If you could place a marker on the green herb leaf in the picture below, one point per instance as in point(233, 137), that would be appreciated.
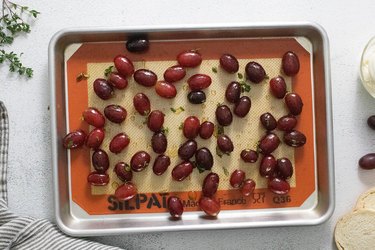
point(219, 152)
point(108, 70)
point(181, 126)
point(240, 76)
point(214, 69)
point(178, 110)
point(245, 87)
point(165, 130)
point(199, 167)
point(226, 172)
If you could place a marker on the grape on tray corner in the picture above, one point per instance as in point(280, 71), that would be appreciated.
point(278, 186)
point(74, 139)
point(290, 63)
point(294, 103)
point(294, 138)
point(248, 187)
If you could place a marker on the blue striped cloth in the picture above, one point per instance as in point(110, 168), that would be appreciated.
point(26, 232)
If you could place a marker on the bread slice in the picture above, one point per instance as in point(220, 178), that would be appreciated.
point(366, 200)
point(356, 230)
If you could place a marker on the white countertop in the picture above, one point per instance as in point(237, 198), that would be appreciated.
point(349, 25)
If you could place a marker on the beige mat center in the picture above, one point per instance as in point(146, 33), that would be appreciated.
point(244, 132)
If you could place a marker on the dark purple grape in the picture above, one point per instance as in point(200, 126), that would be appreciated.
point(255, 72)
point(284, 168)
point(155, 120)
point(268, 121)
point(367, 161)
point(197, 97)
point(248, 155)
point(229, 63)
point(174, 74)
point(287, 123)
point(248, 187)
point(242, 107)
point(175, 206)
point(182, 170)
point(225, 144)
point(223, 115)
point(206, 130)
point(123, 171)
point(278, 186)
point(237, 178)
point(187, 150)
point(278, 87)
point(189, 59)
point(140, 161)
point(115, 113)
point(371, 122)
point(74, 139)
point(142, 104)
point(204, 159)
point(161, 164)
point(294, 138)
point(267, 166)
point(159, 142)
point(290, 63)
point(269, 143)
point(210, 184)
point(294, 103)
point(233, 92)
point(137, 45)
point(145, 77)
point(103, 89)
point(100, 160)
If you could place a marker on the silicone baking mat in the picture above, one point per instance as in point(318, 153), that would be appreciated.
point(94, 58)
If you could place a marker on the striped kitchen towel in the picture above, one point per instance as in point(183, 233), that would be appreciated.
point(26, 232)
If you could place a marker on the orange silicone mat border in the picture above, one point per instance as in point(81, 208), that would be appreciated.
point(210, 49)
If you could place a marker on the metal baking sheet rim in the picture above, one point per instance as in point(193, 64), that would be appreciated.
point(314, 216)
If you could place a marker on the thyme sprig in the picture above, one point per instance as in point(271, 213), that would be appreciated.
point(13, 22)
